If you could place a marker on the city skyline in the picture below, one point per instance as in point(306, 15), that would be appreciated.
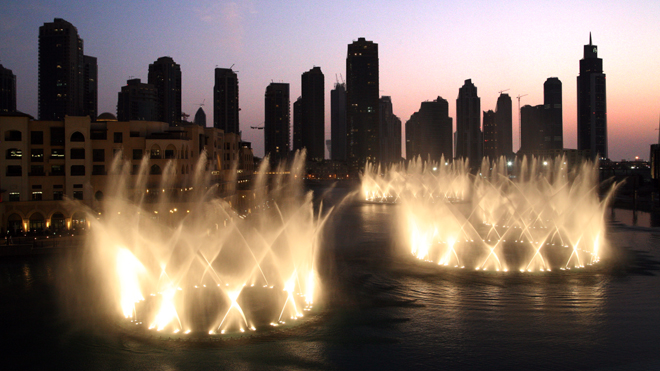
point(423, 54)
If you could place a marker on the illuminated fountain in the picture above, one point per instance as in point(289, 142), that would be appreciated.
point(195, 265)
point(539, 217)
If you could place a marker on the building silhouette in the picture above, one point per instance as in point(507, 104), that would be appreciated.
point(165, 76)
point(491, 140)
point(552, 105)
point(468, 137)
point(362, 102)
point(137, 101)
point(390, 133)
point(532, 129)
point(297, 125)
point(504, 125)
point(429, 131)
point(277, 124)
point(200, 117)
point(7, 90)
point(592, 104)
point(67, 79)
point(338, 126)
point(225, 101)
point(90, 87)
point(313, 113)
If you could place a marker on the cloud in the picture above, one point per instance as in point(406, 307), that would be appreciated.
point(228, 19)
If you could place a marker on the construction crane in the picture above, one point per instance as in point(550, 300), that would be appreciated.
point(258, 127)
point(502, 91)
point(520, 120)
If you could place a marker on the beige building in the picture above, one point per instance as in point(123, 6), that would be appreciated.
point(47, 162)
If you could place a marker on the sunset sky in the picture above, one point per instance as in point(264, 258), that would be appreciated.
point(426, 49)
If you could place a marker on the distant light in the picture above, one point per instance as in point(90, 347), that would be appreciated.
point(545, 163)
point(510, 163)
point(435, 168)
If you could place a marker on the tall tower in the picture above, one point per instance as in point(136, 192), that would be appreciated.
point(591, 103)
point(200, 117)
point(225, 100)
point(504, 125)
point(428, 132)
point(7, 90)
point(468, 137)
point(90, 87)
point(338, 131)
point(60, 71)
point(362, 102)
point(390, 132)
point(297, 125)
point(313, 113)
point(165, 75)
point(553, 113)
point(491, 137)
point(277, 123)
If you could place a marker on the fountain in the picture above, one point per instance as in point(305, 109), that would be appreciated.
point(181, 260)
point(531, 215)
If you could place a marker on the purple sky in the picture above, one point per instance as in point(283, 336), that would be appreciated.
point(426, 49)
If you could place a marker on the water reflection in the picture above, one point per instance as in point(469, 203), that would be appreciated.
point(636, 218)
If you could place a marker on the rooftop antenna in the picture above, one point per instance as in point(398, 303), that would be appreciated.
point(520, 121)
point(232, 65)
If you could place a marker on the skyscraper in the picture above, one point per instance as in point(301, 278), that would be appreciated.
point(390, 132)
point(297, 125)
point(165, 75)
point(429, 131)
point(532, 129)
point(362, 101)
point(504, 125)
point(591, 103)
point(313, 113)
point(62, 67)
point(468, 136)
point(225, 100)
point(277, 124)
point(7, 90)
point(137, 101)
point(338, 132)
point(552, 107)
point(491, 140)
point(200, 117)
point(90, 87)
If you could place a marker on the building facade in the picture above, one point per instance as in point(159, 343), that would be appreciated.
point(468, 137)
point(47, 162)
point(390, 133)
point(504, 125)
point(362, 103)
point(338, 126)
point(277, 123)
point(225, 101)
point(298, 125)
point(491, 137)
point(165, 76)
point(90, 87)
point(592, 103)
point(313, 113)
point(532, 129)
point(7, 90)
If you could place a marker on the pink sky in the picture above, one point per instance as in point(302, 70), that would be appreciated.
point(427, 49)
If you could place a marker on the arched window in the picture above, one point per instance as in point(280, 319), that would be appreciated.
point(14, 224)
point(155, 170)
point(170, 152)
point(155, 152)
point(13, 136)
point(14, 154)
point(37, 222)
point(57, 222)
point(77, 137)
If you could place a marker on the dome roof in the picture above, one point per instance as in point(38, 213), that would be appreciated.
point(106, 116)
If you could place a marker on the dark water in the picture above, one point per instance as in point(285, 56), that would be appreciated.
point(382, 311)
point(635, 218)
